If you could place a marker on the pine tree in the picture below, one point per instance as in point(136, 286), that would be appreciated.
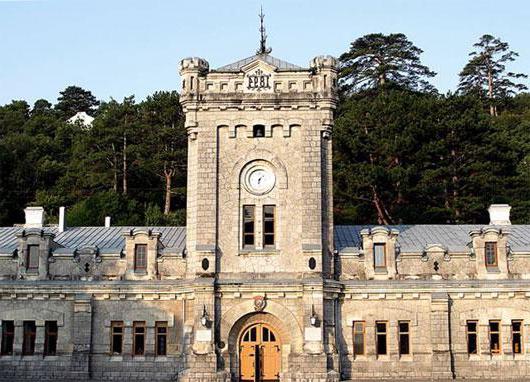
point(74, 99)
point(485, 74)
point(378, 60)
point(166, 141)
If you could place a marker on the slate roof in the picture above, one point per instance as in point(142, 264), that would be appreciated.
point(414, 238)
point(280, 64)
point(411, 238)
point(109, 239)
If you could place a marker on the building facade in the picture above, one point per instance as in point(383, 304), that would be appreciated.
point(261, 285)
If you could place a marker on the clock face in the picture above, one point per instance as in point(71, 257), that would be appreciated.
point(260, 180)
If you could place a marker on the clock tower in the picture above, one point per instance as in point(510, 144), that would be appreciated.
point(259, 206)
point(259, 166)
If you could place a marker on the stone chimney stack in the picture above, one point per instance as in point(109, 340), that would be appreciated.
point(500, 214)
point(62, 219)
point(34, 217)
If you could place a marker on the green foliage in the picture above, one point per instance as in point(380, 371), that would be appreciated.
point(402, 153)
point(92, 210)
point(134, 156)
point(155, 217)
point(404, 157)
point(377, 60)
point(74, 99)
point(485, 74)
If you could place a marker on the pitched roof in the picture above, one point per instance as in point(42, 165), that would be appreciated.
point(107, 238)
point(411, 238)
point(414, 238)
point(280, 64)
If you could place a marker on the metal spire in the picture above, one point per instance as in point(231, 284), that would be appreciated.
point(263, 41)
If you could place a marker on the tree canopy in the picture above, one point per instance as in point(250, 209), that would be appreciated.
point(377, 60)
point(402, 153)
point(485, 74)
point(74, 99)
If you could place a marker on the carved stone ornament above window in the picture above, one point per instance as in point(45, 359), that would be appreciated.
point(259, 303)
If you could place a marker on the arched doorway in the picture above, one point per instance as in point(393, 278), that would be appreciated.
point(259, 354)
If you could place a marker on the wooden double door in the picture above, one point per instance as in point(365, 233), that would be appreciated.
point(260, 354)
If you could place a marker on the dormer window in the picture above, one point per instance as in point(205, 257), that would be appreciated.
point(379, 255)
point(140, 257)
point(490, 253)
point(32, 260)
point(258, 131)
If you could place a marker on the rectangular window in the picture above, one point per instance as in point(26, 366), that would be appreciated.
point(139, 338)
point(490, 251)
point(116, 337)
point(495, 337)
point(471, 329)
point(161, 338)
point(380, 337)
point(28, 341)
point(140, 257)
point(517, 336)
point(379, 256)
point(32, 261)
point(50, 338)
point(358, 337)
point(404, 337)
point(8, 337)
point(269, 213)
point(248, 225)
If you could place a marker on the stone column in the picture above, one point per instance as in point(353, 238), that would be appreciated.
point(150, 339)
point(440, 336)
point(19, 337)
point(127, 349)
point(39, 337)
point(506, 338)
point(82, 336)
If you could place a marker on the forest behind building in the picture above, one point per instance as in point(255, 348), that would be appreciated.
point(403, 152)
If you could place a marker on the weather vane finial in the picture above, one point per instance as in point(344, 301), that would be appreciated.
point(263, 41)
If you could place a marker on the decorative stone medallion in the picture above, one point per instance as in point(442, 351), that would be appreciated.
point(259, 303)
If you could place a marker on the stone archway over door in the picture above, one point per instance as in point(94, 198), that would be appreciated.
point(259, 354)
point(286, 332)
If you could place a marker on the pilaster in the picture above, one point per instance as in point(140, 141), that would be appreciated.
point(441, 343)
point(82, 336)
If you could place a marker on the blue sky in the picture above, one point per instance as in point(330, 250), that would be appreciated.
point(116, 48)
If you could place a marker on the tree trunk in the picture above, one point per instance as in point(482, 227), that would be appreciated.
point(383, 217)
point(167, 176)
point(493, 111)
point(124, 160)
point(454, 183)
point(115, 169)
point(400, 199)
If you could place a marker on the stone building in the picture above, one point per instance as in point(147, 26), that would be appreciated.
point(260, 285)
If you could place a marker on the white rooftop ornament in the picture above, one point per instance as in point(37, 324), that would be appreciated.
point(499, 214)
point(34, 217)
point(83, 118)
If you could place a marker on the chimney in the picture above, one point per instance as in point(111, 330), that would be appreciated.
point(107, 221)
point(34, 217)
point(500, 214)
point(62, 220)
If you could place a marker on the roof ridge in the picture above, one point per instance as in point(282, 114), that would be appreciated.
point(269, 59)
